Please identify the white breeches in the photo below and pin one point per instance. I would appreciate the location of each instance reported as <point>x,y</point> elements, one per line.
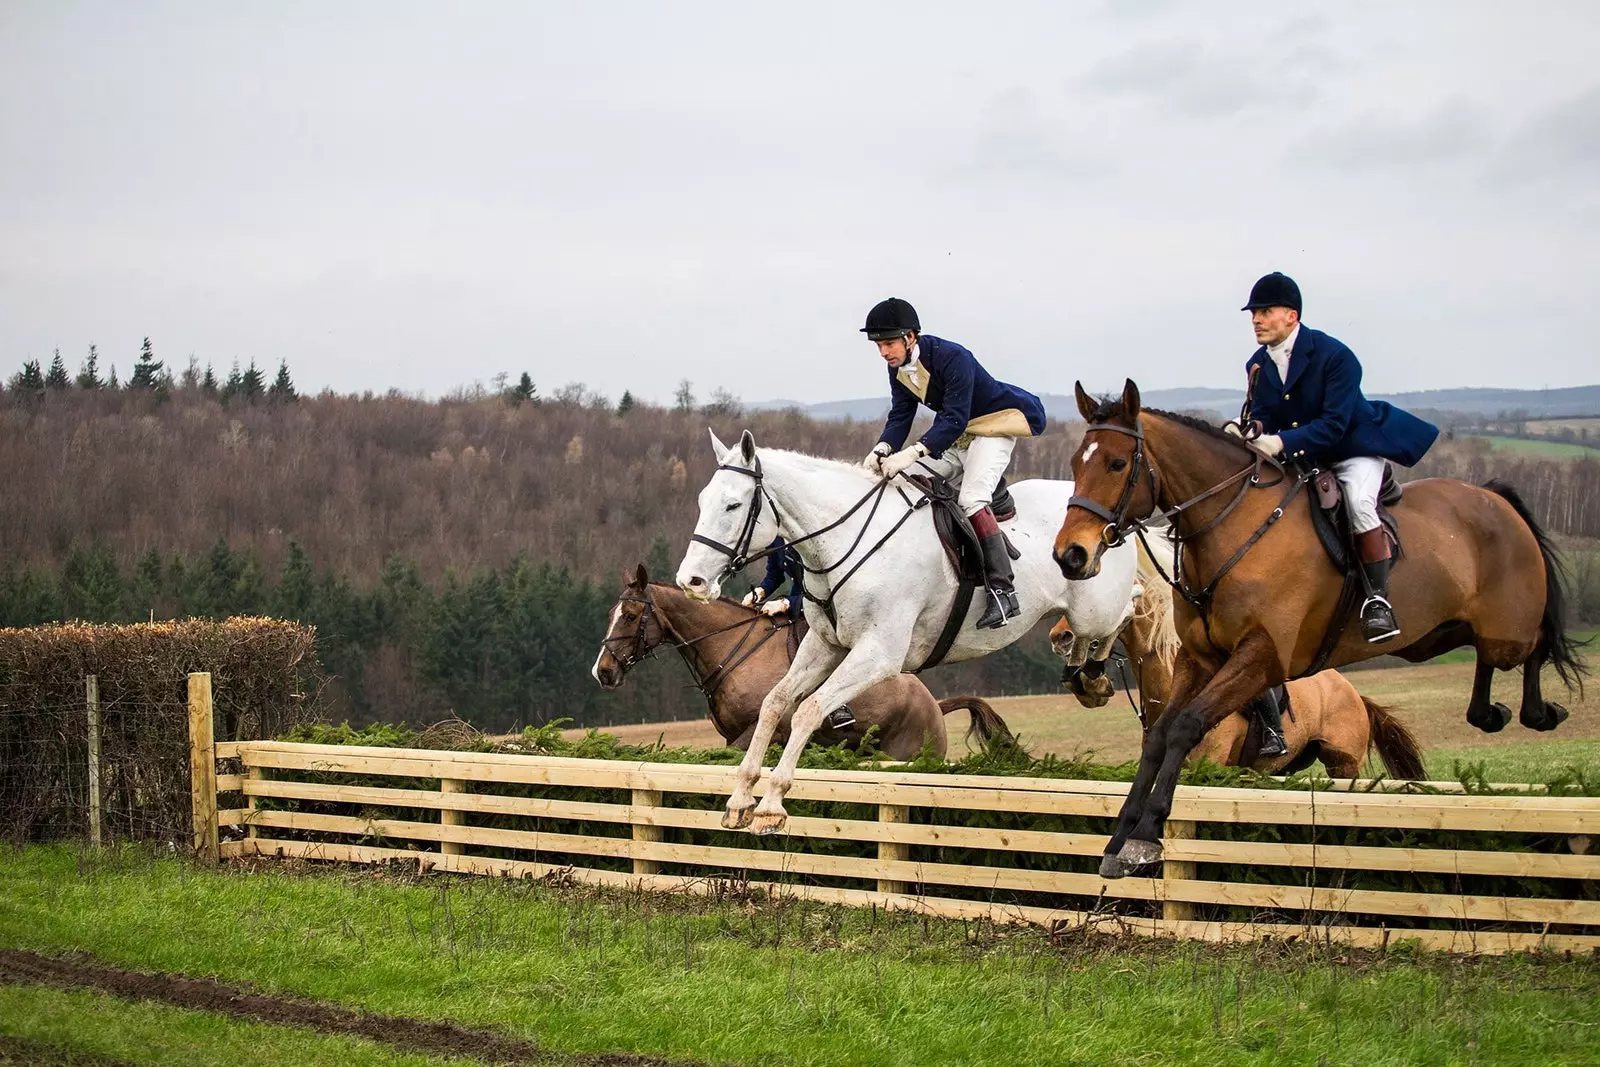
<point>977,468</point>
<point>1362,478</point>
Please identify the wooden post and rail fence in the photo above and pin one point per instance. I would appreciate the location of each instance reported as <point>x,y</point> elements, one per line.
<point>643,851</point>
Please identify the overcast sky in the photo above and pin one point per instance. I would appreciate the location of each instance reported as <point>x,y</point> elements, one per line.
<point>417,196</point>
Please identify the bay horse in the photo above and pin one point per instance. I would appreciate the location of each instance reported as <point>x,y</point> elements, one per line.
<point>736,655</point>
<point>1259,592</point>
<point>881,585</point>
<point>1328,719</point>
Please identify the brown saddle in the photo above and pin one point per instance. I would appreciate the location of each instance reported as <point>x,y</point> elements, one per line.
<point>1332,521</point>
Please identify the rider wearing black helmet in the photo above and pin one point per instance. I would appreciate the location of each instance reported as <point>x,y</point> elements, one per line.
<point>976,425</point>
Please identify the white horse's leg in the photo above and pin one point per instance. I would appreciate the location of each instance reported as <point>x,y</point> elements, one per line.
<point>864,667</point>
<point>814,660</point>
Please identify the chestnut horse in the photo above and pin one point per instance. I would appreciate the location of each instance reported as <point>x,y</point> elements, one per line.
<point>736,655</point>
<point>1327,720</point>
<point>1259,592</point>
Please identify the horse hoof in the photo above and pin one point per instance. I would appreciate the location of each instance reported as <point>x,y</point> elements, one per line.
<point>1491,720</point>
<point>767,822</point>
<point>1554,715</point>
<point>738,818</point>
<point>1136,855</point>
<point>1111,867</point>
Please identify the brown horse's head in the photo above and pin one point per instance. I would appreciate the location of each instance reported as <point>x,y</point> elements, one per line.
<point>635,630</point>
<point>1113,482</point>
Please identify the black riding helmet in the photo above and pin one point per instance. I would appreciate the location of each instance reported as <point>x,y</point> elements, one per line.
<point>1273,291</point>
<point>891,318</point>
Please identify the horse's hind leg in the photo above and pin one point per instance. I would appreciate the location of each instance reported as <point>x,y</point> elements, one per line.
<point>1538,713</point>
<point>813,662</point>
<point>1488,717</point>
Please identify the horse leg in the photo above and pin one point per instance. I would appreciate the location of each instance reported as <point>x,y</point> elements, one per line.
<point>863,667</point>
<point>1490,718</point>
<point>742,742</point>
<point>813,662</point>
<point>1538,713</point>
<point>1187,679</point>
<point>1253,666</point>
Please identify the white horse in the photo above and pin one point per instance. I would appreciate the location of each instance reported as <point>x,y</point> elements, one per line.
<point>890,601</point>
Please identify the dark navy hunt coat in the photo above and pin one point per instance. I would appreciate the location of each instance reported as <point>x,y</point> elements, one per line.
<point>1321,413</point>
<point>784,563</point>
<point>959,390</point>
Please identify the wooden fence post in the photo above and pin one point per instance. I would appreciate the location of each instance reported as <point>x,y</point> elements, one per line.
<point>91,685</point>
<point>252,774</point>
<point>1174,870</point>
<point>888,850</point>
<point>447,817</point>
<point>203,767</point>
<point>645,798</point>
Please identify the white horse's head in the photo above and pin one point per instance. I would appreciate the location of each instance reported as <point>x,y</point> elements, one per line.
<point>736,518</point>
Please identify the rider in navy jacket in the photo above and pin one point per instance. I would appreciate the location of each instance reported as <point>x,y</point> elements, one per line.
<point>959,390</point>
<point>976,424</point>
<point>782,565</point>
<point>1306,401</point>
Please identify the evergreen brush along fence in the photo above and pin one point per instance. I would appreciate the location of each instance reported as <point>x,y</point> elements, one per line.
<point>1356,863</point>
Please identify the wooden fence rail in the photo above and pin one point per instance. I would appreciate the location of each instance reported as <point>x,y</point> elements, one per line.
<point>538,836</point>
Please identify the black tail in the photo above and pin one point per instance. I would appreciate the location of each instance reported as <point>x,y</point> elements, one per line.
<point>986,722</point>
<point>1557,645</point>
<point>1399,749</point>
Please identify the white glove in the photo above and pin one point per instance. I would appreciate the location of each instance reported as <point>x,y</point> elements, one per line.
<point>776,607</point>
<point>874,459</point>
<point>1270,443</point>
<point>902,460</point>
<point>754,597</point>
<point>1232,428</point>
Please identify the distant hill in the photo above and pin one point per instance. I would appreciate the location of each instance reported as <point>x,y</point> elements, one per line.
<point>1536,403</point>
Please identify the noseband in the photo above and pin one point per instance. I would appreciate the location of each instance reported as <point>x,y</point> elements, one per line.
<point>739,555</point>
<point>638,651</point>
<point>1118,525</point>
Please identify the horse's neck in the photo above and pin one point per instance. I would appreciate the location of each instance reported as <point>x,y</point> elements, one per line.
<point>813,494</point>
<point>693,627</point>
<point>1188,464</point>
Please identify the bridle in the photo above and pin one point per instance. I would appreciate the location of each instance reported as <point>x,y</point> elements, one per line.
<point>712,681</point>
<point>1119,524</point>
<point>740,556</point>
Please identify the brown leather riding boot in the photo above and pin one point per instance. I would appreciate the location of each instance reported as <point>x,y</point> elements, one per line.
<point>1378,622</point>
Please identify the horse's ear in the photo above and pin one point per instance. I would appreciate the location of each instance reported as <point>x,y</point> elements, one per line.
<point>640,578</point>
<point>1130,399</point>
<point>717,445</point>
<point>1085,403</point>
<point>747,446</point>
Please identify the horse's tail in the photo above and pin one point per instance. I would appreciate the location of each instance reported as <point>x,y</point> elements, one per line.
<point>1557,645</point>
<point>1396,744</point>
<point>986,722</point>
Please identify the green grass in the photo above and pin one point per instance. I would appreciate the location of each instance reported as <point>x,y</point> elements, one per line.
<point>756,982</point>
<point>92,1024</point>
<point>1530,761</point>
<point>1539,449</point>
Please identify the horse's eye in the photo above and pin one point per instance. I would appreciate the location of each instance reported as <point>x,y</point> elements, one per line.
<point>1117,464</point>
<point>732,507</point>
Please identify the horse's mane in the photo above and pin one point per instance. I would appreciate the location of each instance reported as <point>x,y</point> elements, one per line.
<point>1110,407</point>
<point>672,587</point>
<point>825,462</point>
<point>1155,606</point>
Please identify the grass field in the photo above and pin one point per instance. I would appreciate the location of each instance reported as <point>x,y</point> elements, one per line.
<point>735,981</point>
<point>1539,449</point>
<point>1430,698</point>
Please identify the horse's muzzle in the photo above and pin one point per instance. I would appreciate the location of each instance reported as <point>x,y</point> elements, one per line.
<point>1075,563</point>
<point>608,677</point>
<point>697,588</point>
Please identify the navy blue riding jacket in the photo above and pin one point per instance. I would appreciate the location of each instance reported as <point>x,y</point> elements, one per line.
<point>784,564</point>
<point>1320,411</point>
<point>959,390</point>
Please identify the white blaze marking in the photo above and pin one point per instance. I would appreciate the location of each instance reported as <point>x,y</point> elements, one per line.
<point>616,613</point>
<point>1088,450</point>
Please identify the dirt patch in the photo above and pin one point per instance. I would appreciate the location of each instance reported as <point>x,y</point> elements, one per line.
<point>205,994</point>
<point>26,1053</point>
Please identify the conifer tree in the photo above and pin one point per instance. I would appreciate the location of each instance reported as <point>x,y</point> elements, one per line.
<point>523,392</point>
<point>146,372</point>
<point>252,385</point>
<point>57,379</point>
<point>235,383</point>
<point>89,375</point>
<point>111,382</point>
<point>29,381</point>
<point>208,382</point>
<point>625,405</point>
<point>282,390</point>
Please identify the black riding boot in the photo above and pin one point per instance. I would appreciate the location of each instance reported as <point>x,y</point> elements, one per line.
<point>1378,622</point>
<point>1269,710</point>
<point>1002,605</point>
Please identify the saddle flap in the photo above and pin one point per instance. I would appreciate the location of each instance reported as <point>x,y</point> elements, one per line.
<point>955,531</point>
<point>1329,492</point>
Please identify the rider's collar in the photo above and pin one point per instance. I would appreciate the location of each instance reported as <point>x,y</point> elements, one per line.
<point>911,357</point>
